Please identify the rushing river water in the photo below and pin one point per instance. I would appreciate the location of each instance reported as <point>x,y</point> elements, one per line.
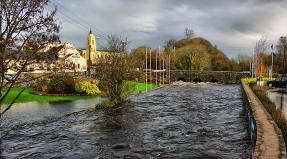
<point>179,121</point>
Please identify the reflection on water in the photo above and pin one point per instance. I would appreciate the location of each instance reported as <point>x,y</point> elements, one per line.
<point>279,98</point>
<point>190,121</point>
<point>28,112</point>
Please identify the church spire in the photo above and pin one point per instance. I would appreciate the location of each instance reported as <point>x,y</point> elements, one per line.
<point>91,47</point>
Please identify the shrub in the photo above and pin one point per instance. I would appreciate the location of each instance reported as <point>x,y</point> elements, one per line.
<point>249,80</point>
<point>61,84</point>
<point>104,105</point>
<point>88,87</point>
<point>41,84</point>
<point>96,82</point>
<point>109,104</point>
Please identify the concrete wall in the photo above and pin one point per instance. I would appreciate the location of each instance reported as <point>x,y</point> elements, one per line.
<point>267,139</point>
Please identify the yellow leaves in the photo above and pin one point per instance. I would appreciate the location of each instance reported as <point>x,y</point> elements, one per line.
<point>88,87</point>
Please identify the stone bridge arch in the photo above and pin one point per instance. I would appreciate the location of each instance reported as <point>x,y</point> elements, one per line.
<point>227,77</point>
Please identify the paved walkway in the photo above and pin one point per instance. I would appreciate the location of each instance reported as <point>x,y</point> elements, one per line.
<point>268,143</point>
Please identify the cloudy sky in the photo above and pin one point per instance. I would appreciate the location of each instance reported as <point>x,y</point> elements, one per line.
<point>233,25</point>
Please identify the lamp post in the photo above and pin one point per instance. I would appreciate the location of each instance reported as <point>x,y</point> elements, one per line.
<point>272,63</point>
<point>283,40</point>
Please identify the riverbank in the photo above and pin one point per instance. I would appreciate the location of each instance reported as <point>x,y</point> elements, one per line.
<point>269,141</point>
<point>28,95</point>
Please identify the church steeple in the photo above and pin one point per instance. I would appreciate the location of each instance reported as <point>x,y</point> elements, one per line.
<point>91,47</point>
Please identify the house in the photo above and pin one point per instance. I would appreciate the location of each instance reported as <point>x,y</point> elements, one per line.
<point>76,62</point>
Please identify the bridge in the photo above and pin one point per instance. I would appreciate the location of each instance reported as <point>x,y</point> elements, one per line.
<point>226,77</point>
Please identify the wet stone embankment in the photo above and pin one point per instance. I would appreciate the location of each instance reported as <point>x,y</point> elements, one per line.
<point>178,121</point>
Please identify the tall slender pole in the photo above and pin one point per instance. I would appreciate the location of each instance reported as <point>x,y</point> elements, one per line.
<point>284,56</point>
<point>272,63</point>
<point>255,74</point>
<point>163,68</point>
<point>156,68</point>
<point>150,72</point>
<point>159,63</point>
<point>169,68</point>
<point>250,68</point>
<point>146,69</point>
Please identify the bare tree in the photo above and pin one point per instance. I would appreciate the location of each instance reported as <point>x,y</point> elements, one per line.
<point>261,49</point>
<point>280,59</point>
<point>189,33</point>
<point>114,68</point>
<point>25,27</point>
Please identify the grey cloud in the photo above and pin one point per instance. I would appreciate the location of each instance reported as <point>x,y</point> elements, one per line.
<point>228,23</point>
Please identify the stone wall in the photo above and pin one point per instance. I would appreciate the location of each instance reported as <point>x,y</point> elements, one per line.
<point>227,77</point>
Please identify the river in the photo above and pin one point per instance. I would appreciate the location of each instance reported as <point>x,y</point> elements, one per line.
<point>178,121</point>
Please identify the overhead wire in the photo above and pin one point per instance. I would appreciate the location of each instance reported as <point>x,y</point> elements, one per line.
<point>81,21</point>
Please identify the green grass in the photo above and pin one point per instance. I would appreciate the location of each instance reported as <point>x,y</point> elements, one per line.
<point>137,87</point>
<point>27,96</point>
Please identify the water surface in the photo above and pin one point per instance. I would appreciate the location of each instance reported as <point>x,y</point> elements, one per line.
<point>179,121</point>
<point>279,98</point>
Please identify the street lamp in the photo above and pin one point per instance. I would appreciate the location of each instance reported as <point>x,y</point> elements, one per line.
<point>283,41</point>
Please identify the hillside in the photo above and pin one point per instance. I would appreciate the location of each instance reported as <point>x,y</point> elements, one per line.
<point>218,60</point>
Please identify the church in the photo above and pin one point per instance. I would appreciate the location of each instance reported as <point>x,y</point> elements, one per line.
<point>90,54</point>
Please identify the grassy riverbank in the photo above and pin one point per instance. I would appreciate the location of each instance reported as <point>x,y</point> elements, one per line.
<point>28,96</point>
<point>138,87</point>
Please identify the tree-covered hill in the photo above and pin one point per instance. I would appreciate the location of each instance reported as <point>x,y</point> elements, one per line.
<point>200,51</point>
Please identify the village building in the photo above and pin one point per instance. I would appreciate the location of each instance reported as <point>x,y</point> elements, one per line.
<point>65,57</point>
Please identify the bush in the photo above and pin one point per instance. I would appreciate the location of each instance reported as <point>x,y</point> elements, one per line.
<point>88,87</point>
<point>104,105</point>
<point>249,80</point>
<point>41,85</point>
<point>61,84</point>
<point>109,104</point>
